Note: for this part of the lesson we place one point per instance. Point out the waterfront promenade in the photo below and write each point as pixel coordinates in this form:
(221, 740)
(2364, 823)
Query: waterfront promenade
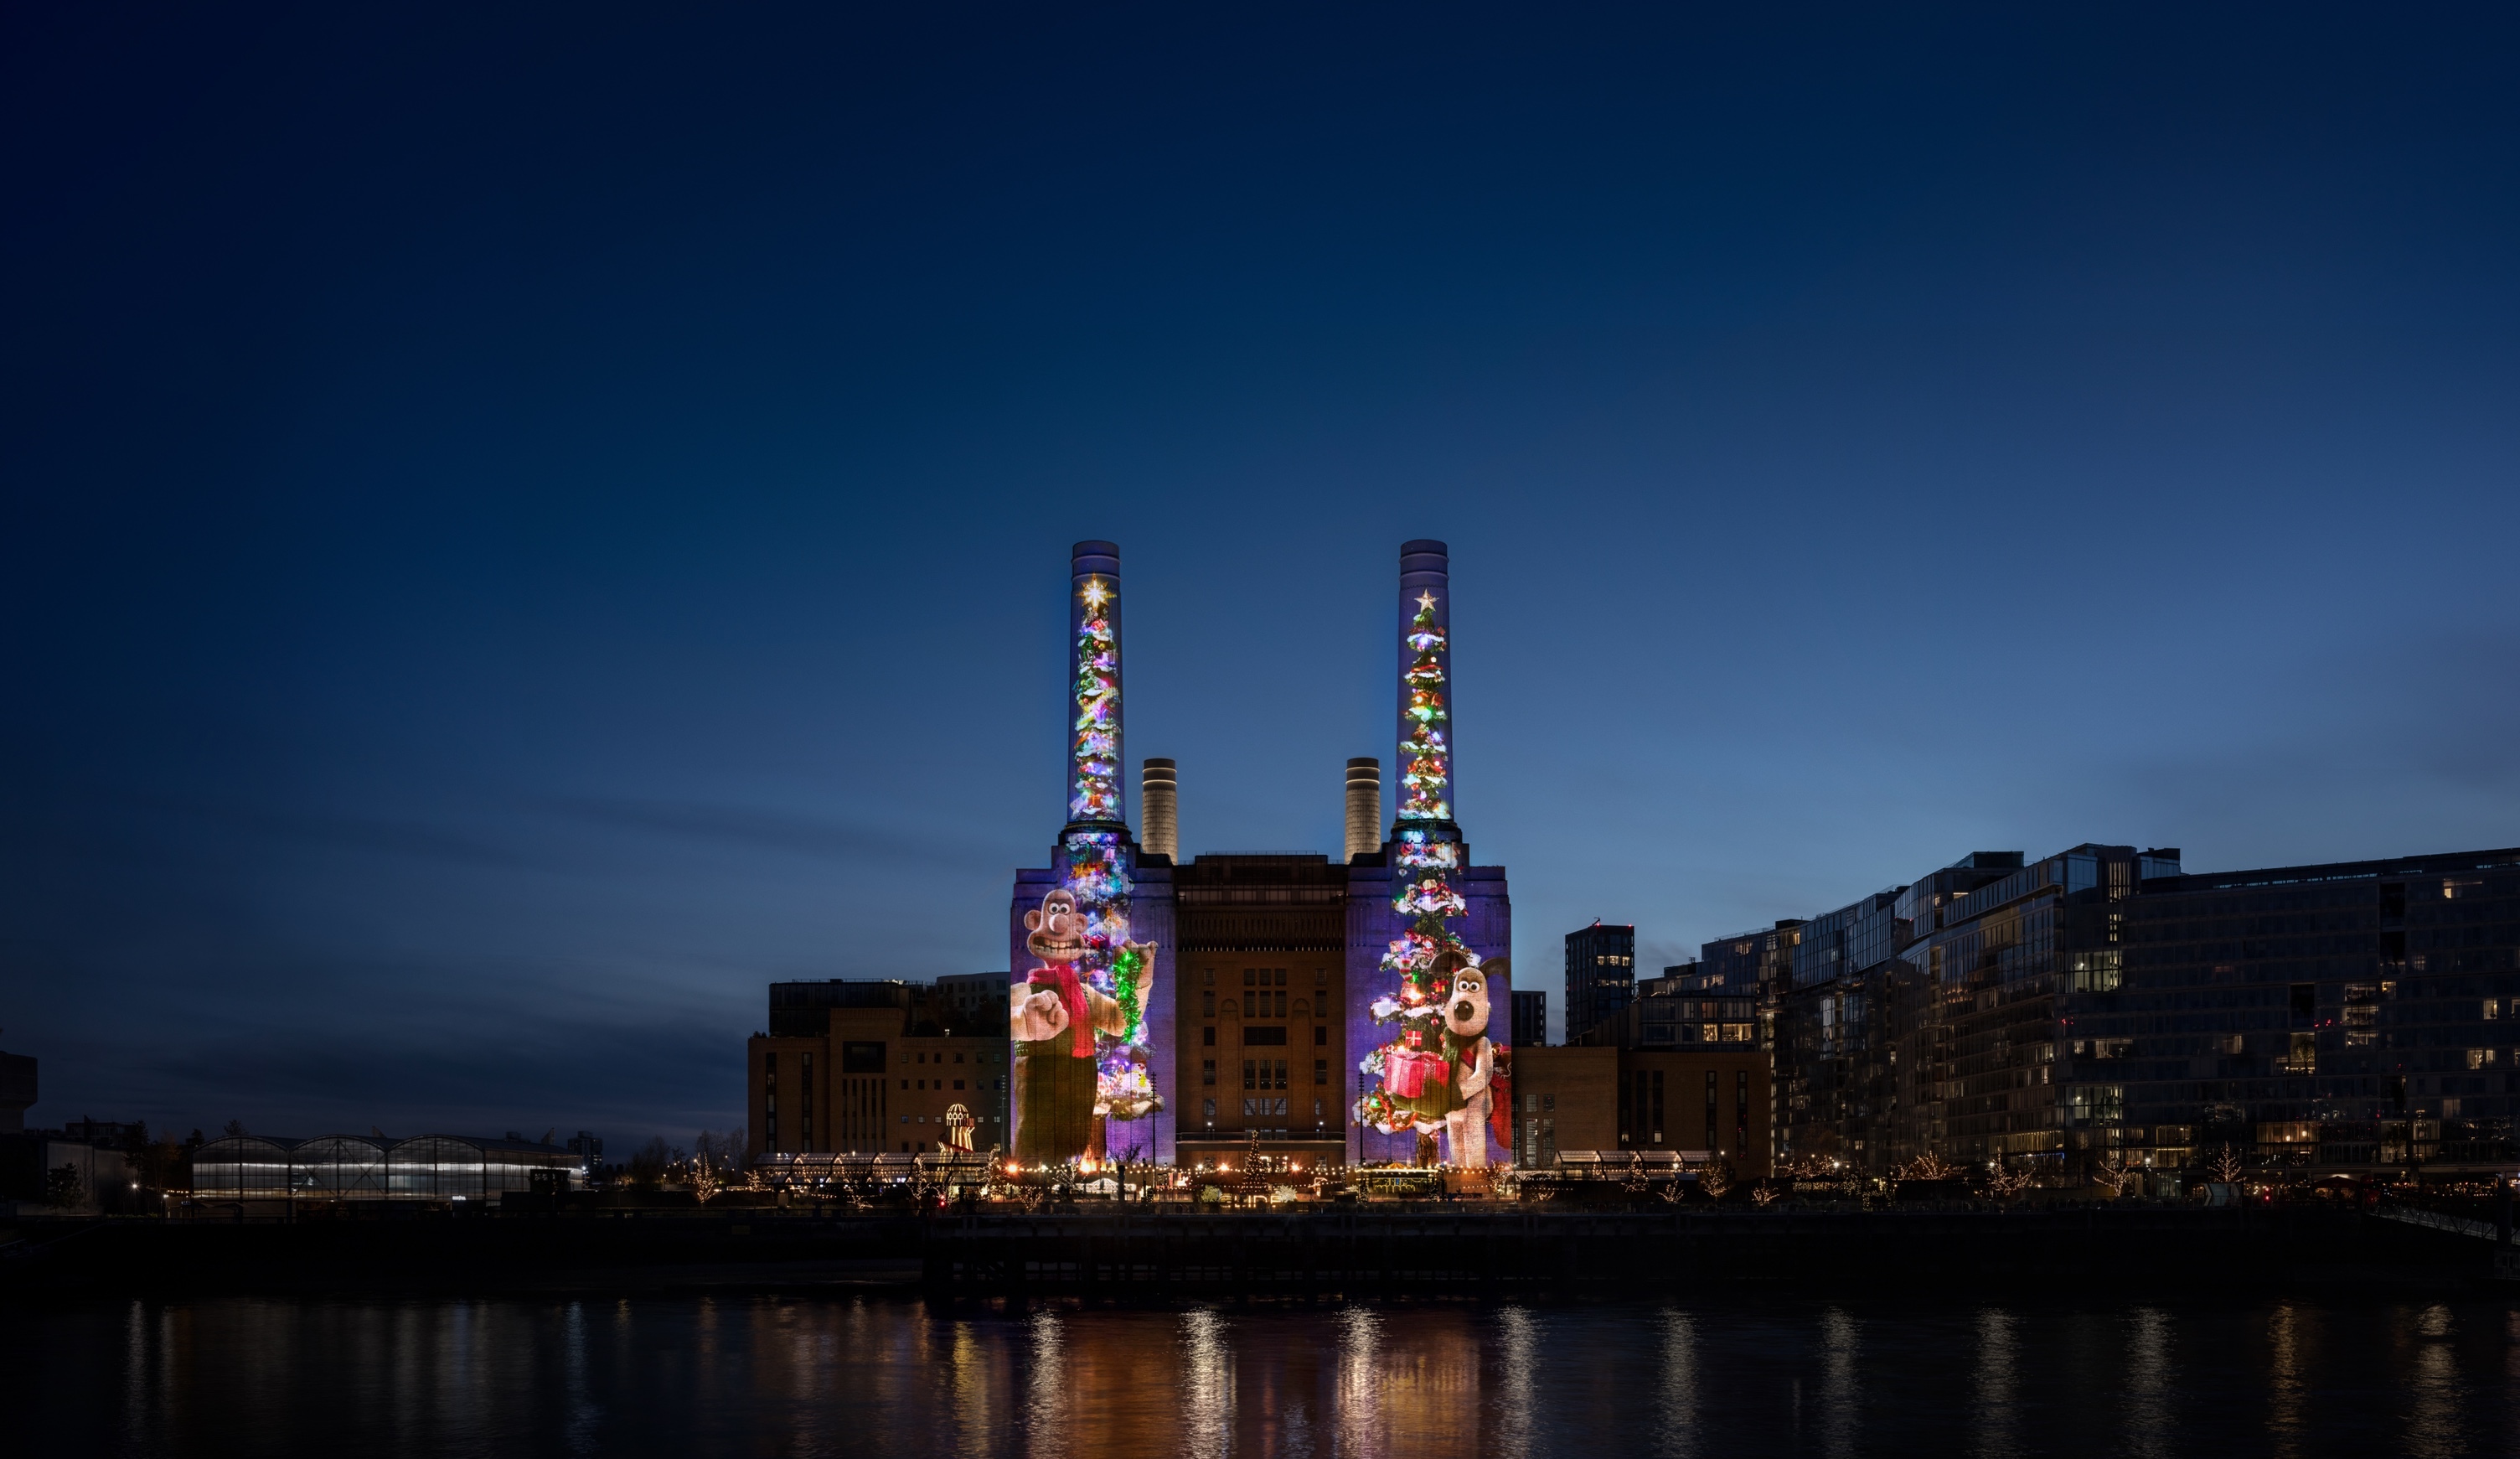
(1135, 1255)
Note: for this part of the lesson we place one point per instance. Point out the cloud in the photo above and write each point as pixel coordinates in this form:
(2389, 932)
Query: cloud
(817, 837)
(377, 835)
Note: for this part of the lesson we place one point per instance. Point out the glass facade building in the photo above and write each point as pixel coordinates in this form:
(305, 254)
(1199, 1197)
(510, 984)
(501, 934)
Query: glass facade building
(2102, 1004)
(1601, 977)
(359, 1168)
(1530, 1017)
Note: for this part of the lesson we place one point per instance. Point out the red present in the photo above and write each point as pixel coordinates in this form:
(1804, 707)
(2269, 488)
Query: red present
(1410, 1073)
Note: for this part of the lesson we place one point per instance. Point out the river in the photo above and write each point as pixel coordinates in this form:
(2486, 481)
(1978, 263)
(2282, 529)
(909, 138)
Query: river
(2430, 1375)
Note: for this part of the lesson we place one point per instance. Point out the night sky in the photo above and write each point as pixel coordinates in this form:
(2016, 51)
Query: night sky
(519, 531)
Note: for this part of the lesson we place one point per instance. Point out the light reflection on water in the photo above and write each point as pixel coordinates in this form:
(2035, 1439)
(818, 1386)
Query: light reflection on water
(765, 1376)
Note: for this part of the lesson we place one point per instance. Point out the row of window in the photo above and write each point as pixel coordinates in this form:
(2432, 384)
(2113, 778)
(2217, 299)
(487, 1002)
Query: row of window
(1256, 1036)
(1268, 1107)
(1642, 1111)
(1256, 1004)
(1263, 1072)
(1265, 977)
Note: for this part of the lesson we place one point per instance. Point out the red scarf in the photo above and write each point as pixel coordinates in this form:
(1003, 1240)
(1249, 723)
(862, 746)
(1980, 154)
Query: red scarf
(1061, 978)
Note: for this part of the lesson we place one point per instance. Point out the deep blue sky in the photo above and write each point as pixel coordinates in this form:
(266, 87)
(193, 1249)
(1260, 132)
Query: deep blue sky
(520, 532)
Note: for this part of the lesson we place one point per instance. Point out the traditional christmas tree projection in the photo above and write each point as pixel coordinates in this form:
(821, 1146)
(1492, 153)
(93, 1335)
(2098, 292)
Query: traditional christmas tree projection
(1094, 792)
(1433, 1066)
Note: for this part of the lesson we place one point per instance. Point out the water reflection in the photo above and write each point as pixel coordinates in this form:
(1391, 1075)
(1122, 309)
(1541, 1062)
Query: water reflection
(1048, 1387)
(2287, 1422)
(2432, 1422)
(1519, 1395)
(1206, 1385)
(1678, 1437)
(1360, 1390)
(2148, 1385)
(1994, 1394)
(741, 1377)
(1838, 1419)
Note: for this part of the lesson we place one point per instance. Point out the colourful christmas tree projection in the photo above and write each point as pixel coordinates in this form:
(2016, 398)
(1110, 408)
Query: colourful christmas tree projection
(1414, 1068)
(1118, 969)
(1093, 780)
(1425, 761)
(1098, 874)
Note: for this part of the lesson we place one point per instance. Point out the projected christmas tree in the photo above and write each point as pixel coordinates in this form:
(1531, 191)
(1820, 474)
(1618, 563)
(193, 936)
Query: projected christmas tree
(1096, 869)
(1415, 1066)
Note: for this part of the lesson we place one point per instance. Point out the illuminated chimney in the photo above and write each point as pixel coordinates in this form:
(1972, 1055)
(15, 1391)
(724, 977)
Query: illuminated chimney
(1158, 810)
(1093, 764)
(1364, 806)
(1424, 799)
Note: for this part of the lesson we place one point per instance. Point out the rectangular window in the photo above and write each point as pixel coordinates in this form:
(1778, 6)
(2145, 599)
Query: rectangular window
(1281, 1078)
(1740, 1113)
(1207, 1037)
(1714, 1139)
(1320, 1070)
(1207, 1109)
(865, 1058)
(1548, 1102)
(1250, 975)
(2303, 1055)
(1207, 1072)
(2098, 972)
(1268, 1034)
(1249, 1076)
(1208, 1003)
(2096, 1103)
(1658, 1107)
(1321, 978)
(1321, 1036)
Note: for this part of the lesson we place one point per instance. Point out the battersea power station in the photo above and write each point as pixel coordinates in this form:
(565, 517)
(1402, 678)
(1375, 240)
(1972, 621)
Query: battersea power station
(1173, 1008)
(1180, 1010)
